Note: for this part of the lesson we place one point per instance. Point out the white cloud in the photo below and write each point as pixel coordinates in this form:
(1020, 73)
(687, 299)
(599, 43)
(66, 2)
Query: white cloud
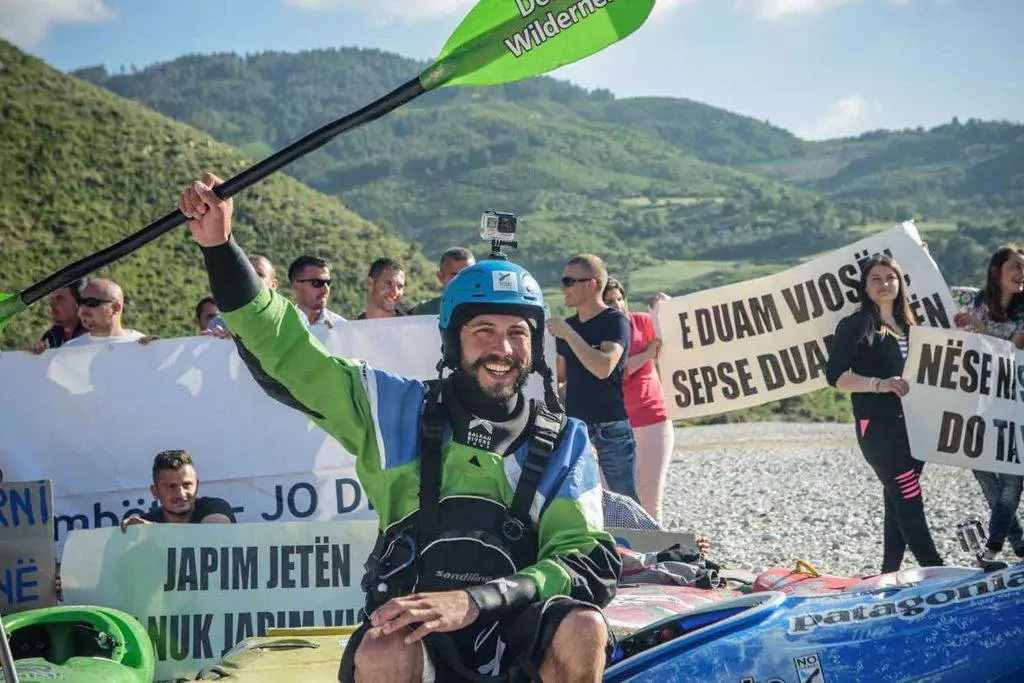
(844, 119)
(27, 22)
(776, 9)
(663, 7)
(384, 11)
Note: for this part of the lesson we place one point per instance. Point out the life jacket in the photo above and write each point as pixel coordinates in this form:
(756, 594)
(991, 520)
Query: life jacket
(461, 540)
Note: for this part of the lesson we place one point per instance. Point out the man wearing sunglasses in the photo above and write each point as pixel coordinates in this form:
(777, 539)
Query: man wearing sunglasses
(592, 349)
(100, 306)
(311, 283)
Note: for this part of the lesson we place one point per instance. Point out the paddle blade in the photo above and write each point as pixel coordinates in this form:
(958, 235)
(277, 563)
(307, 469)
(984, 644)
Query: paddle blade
(10, 306)
(501, 41)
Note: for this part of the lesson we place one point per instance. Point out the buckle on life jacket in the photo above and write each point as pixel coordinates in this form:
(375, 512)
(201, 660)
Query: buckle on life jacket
(513, 529)
(386, 562)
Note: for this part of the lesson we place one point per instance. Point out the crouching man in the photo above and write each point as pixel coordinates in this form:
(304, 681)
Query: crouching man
(491, 558)
(174, 487)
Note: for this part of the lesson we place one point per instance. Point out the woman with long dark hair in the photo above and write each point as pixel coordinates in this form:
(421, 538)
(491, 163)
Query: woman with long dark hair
(998, 310)
(866, 359)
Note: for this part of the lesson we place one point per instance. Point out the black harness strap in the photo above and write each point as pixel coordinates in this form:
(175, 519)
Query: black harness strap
(546, 428)
(432, 423)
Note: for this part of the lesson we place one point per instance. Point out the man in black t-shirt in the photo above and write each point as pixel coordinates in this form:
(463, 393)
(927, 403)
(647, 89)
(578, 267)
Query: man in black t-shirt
(592, 348)
(175, 486)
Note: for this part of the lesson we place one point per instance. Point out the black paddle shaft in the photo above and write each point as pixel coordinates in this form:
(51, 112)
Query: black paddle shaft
(250, 176)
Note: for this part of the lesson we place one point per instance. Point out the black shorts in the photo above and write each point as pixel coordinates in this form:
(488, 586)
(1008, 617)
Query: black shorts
(492, 648)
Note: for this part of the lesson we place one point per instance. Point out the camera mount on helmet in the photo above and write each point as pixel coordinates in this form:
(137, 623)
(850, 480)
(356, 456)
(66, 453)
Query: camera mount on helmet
(500, 228)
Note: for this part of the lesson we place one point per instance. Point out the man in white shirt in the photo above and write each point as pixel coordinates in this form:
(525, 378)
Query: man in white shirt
(310, 277)
(100, 307)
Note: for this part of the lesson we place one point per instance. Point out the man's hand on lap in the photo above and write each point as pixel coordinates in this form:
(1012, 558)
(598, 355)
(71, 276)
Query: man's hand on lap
(440, 612)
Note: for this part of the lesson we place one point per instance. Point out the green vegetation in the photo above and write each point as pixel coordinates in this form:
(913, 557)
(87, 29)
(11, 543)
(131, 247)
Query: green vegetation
(963, 181)
(676, 195)
(824, 405)
(82, 168)
(644, 182)
(637, 181)
(683, 277)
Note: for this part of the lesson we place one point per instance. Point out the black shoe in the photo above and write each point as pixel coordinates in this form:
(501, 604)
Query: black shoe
(990, 565)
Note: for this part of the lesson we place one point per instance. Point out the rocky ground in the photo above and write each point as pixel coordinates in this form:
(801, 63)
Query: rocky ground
(766, 494)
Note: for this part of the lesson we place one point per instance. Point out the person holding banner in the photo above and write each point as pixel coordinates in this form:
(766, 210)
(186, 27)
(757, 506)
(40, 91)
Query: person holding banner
(592, 348)
(64, 315)
(100, 306)
(645, 404)
(866, 359)
(265, 270)
(998, 311)
(491, 557)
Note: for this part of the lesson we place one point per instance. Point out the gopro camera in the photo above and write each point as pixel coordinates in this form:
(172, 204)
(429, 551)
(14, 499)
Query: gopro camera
(499, 226)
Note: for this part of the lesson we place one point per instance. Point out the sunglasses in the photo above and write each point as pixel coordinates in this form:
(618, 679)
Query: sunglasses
(93, 301)
(570, 281)
(316, 283)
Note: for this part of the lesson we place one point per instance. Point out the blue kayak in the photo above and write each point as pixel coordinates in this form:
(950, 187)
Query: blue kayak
(954, 624)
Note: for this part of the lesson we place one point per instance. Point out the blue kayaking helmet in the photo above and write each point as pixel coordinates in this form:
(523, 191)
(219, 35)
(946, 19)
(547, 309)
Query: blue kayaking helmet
(491, 286)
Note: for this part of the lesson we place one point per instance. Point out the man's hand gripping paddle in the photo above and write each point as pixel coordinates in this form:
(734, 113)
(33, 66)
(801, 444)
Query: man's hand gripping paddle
(499, 41)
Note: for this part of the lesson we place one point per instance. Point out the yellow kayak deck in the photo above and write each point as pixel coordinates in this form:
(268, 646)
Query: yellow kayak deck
(284, 654)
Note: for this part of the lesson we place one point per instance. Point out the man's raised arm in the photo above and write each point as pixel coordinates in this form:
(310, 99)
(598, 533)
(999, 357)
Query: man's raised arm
(290, 363)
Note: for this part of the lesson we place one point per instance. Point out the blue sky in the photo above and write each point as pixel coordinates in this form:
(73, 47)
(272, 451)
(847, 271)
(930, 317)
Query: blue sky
(821, 68)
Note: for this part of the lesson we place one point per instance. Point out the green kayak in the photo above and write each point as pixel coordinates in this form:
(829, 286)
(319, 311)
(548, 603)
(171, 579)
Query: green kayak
(79, 644)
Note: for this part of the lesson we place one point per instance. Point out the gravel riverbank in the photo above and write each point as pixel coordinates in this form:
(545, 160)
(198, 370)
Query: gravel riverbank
(768, 493)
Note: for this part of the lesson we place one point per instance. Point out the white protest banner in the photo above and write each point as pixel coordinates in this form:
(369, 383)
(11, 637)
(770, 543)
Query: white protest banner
(92, 418)
(199, 589)
(767, 339)
(964, 404)
(27, 554)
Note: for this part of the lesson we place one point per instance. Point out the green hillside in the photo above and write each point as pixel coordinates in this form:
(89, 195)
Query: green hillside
(968, 171)
(969, 176)
(645, 182)
(709, 133)
(632, 180)
(82, 168)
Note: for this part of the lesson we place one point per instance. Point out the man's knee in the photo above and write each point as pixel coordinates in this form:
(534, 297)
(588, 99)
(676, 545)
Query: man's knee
(578, 648)
(581, 627)
(379, 651)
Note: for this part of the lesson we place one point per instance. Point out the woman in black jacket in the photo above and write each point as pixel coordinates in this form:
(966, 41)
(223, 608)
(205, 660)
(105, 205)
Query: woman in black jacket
(866, 358)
